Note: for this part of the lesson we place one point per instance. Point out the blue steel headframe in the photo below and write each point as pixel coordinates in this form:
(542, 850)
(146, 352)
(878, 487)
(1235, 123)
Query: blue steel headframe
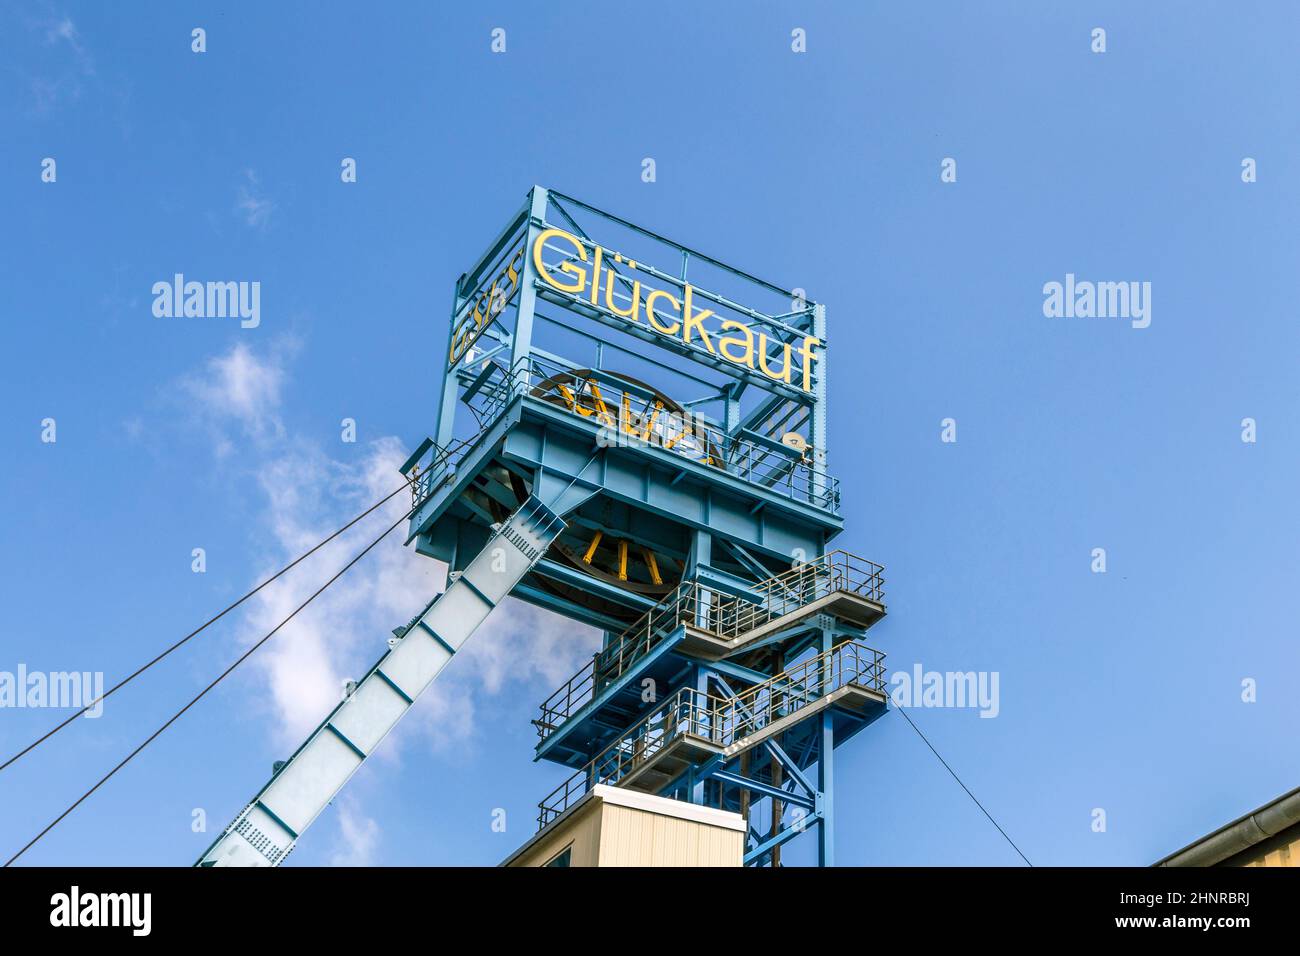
(673, 409)
(577, 332)
(506, 306)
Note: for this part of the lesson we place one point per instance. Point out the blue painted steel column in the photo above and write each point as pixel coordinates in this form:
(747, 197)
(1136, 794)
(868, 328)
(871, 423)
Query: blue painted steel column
(825, 788)
(826, 775)
(450, 387)
(700, 681)
(731, 422)
(818, 428)
(701, 553)
(521, 346)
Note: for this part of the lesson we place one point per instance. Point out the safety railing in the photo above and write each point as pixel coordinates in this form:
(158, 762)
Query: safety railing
(726, 722)
(795, 688)
(687, 712)
(719, 614)
(429, 472)
(836, 571)
(632, 415)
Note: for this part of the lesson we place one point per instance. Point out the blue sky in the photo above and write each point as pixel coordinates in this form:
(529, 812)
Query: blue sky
(1120, 691)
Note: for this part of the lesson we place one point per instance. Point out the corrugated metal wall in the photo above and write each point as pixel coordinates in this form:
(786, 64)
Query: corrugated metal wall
(603, 834)
(1281, 850)
(635, 838)
(582, 831)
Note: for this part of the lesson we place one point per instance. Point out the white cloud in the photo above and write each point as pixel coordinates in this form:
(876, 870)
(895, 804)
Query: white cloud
(358, 837)
(240, 387)
(254, 207)
(60, 78)
(342, 632)
(63, 30)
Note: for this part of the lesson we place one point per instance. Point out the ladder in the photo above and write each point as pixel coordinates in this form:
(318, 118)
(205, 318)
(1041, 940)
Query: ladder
(268, 828)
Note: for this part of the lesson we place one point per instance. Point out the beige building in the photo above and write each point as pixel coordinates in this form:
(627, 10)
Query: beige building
(615, 827)
(1269, 836)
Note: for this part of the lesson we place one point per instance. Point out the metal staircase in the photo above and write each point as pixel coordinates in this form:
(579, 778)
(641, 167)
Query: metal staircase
(764, 680)
(692, 727)
(717, 624)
